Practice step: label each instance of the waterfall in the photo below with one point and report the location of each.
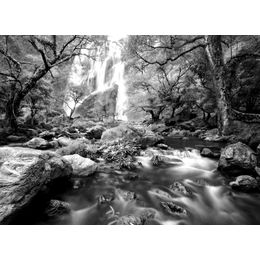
(106, 72)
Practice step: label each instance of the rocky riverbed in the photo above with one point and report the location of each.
(127, 174)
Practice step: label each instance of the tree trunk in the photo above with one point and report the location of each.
(173, 111)
(10, 115)
(13, 105)
(215, 56)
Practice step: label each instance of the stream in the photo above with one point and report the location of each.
(199, 193)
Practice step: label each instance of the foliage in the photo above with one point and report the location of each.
(25, 60)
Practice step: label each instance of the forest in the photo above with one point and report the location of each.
(129, 130)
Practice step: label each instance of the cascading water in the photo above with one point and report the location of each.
(106, 72)
(187, 190)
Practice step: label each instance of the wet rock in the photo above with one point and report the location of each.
(244, 183)
(38, 143)
(64, 141)
(57, 207)
(173, 209)
(150, 139)
(210, 135)
(131, 176)
(147, 214)
(106, 198)
(127, 163)
(206, 152)
(237, 159)
(16, 138)
(129, 220)
(126, 195)
(176, 133)
(47, 135)
(179, 188)
(163, 146)
(81, 166)
(24, 173)
(95, 132)
(54, 144)
(161, 194)
(156, 160)
(159, 160)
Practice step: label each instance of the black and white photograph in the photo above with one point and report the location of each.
(130, 130)
(101, 128)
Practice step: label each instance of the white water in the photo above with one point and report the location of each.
(99, 69)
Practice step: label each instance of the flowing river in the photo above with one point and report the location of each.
(191, 183)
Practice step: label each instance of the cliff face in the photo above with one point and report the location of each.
(99, 104)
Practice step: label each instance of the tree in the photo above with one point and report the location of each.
(38, 100)
(75, 94)
(161, 51)
(25, 60)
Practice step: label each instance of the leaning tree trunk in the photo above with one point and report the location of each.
(215, 56)
(13, 105)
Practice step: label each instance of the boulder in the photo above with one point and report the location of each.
(57, 207)
(257, 169)
(244, 183)
(24, 173)
(54, 144)
(73, 147)
(106, 198)
(64, 141)
(163, 146)
(81, 148)
(141, 218)
(47, 135)
(83, 124)
(173, 209)
(206, 152)
(129, 220)
(116, 133)
(38, 143)
(81, 166)
(179, 188)
(159, 160)
(236, 159)
(95, 132)
(129, 132)
(150, 139)
(126, 195)
(16, 138)
(180, 133)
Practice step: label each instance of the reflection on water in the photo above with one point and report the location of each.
(192, 184)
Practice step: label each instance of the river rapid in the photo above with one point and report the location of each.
(186, 190)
